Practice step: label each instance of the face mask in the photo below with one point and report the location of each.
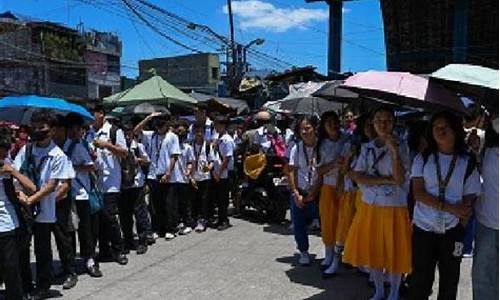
(39, 135)
(495, 124)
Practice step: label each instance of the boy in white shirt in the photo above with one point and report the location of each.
(48, 165)
(224, 149)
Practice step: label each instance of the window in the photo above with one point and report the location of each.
(215, 73)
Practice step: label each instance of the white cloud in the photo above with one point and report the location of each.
(263, 15)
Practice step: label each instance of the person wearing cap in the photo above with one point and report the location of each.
(261, 138)
(224, 162)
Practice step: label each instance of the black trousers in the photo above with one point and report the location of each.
(24, 244)
(110, 235)
(431, 249)
(63, 236)
(132, 204)
(155, 207)
(221, 198)
(88, 229)
(9, 265)
(43, 254)
(201, 201)
(170, 206)
(184, 194)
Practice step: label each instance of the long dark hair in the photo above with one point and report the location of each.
(455, 124)
(490, 137)
(322, 134)
(313, 120)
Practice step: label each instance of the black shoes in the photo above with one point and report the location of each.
(121, 259)
(141, 249)
(41, 294)
(70, 281)
(94, 271)
(223, 226)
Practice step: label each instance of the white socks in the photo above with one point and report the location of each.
(378, 279)
(395, 280)
(334, 266)
(328, 257)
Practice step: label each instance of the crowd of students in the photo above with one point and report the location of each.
(372, 186)
(369, 178)
(90, 184)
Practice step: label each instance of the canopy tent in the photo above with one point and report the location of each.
(238, 105)
(154, 90)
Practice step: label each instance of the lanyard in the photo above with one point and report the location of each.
(198, 153)
(376, 160)
(444, 183)
(310, 162)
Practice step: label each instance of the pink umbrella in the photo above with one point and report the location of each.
(404, 89)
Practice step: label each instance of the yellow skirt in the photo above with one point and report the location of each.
(346, 214)
(328, 214)
(380, 238)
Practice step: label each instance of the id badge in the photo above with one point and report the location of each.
(440, 224)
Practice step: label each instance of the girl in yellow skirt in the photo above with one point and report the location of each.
(332, 146)
(380, 235)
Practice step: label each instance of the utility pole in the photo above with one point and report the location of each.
(232, 73)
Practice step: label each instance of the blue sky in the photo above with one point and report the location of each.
(293, 30)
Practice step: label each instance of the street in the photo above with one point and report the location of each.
(248, 261)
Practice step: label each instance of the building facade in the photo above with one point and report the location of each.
(198, 72)
(425, 35)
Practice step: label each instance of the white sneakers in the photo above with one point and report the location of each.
(169, 236)
(186, 230)
(304, 259)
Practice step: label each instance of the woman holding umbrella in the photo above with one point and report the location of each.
(380, 236)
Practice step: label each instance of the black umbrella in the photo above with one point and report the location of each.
(333, 92)
(309, 106)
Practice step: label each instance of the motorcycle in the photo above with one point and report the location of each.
(268, 193)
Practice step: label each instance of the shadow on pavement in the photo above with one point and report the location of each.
(347, 285)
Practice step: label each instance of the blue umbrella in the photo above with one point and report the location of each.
(19, 109)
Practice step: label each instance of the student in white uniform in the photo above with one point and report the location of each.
(110, 147)
(169, 207)
(50, 167)
(153, 140)
(380, 234)
(204, 157)
(79, 152)
(224, 162)
(132, 202)
(182, 180)
(12, 228)
(201, 117)
(303, 172)
(485, 263)
(445, 185)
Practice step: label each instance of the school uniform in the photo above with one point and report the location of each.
(168, 210)
(485, 263)
(153, 142)
(80, 186)
(380, 233)
(304, 159)
(52, 164)
(209, 131)
(224, 148)
(109, 182)
(437, 235)
(329, 200)
(9, 249)
(180, 184)
(202, 202)
(132, 202)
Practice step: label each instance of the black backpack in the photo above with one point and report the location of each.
(128, 165)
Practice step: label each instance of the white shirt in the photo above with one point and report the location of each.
(8, 215)
(330, 150)
(225, 146)
(80, 156)
(210, 133)
(169, 147)
(307, 168)
(382, 195)
(486, 207)
(261, 138)
(425, 216)
(202, 156)
(53, 165)
(140, 177)
(152, 141)
(186, 157)
(109, 171)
